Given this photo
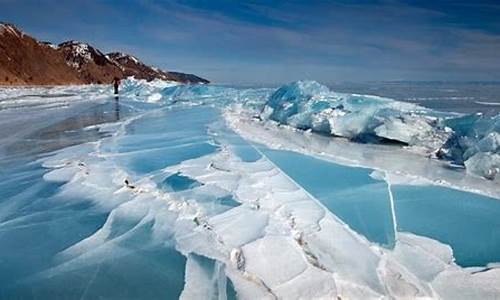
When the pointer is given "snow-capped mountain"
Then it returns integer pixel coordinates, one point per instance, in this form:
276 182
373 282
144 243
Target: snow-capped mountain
79 54
26 61
131 66
90 63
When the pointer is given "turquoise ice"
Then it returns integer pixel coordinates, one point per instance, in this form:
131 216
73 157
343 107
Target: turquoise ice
165 194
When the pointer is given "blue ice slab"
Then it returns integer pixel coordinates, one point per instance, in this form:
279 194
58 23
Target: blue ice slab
14 179
211 204
227 201
30 242
156 273
176 120
350 193
469 223
177 182
33 237
230 291
243 149
209 270
69 127
246 153
149 161
163 138
37 224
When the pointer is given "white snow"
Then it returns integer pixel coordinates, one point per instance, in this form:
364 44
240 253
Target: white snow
10 29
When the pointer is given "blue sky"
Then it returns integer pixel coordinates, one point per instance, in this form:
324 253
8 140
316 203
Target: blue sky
255 42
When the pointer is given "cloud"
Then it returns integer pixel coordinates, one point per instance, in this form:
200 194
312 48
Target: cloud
325 40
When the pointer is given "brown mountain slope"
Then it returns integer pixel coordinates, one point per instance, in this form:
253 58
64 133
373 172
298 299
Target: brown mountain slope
26 61
90 63
131 66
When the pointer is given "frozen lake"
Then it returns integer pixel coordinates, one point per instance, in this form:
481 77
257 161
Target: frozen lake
467 222
135 198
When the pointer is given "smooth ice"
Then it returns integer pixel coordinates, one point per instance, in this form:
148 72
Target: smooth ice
469 224
350 193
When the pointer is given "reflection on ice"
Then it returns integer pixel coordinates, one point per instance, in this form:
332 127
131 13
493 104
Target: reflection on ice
155 140
26 140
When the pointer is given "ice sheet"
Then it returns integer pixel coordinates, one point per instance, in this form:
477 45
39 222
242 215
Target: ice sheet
170 202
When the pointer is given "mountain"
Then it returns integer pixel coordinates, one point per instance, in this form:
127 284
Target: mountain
26 61
90 63
131 66
188 78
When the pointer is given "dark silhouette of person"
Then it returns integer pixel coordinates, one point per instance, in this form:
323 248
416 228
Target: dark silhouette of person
116 84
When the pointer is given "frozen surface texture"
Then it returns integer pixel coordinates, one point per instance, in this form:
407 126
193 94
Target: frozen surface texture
207 192
477 144
309 105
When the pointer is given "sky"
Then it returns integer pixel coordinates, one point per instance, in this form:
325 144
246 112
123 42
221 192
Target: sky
268 42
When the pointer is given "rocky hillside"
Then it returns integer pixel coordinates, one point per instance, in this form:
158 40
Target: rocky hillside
131 66
90 63
26 61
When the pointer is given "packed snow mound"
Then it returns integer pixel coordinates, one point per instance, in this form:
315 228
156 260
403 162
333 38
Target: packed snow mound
310 105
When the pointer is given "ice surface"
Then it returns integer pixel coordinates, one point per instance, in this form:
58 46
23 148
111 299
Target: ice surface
400 165
310 105
143 90
329 246
350 193
205 279
469 224
476 143
484 164
165 200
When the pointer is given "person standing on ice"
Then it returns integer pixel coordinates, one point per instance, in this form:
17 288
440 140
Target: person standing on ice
116 84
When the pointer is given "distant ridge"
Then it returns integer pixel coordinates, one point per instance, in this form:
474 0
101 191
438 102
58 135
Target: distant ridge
27 61
131 66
